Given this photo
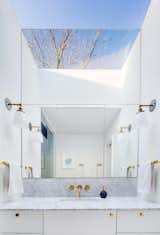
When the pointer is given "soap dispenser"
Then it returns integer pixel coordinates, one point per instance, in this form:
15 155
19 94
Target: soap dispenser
103 193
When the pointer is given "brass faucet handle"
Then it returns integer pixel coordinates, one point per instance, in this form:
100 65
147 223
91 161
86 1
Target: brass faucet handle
71 187
79 186
87 187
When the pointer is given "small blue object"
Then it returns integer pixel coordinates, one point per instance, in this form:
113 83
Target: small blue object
103 193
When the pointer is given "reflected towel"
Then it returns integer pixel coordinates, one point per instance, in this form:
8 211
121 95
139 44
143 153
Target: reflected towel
15 182
123 171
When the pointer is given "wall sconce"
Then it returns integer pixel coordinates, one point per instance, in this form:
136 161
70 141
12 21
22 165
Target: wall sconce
151 106
141 118
36 135
128 128
20 119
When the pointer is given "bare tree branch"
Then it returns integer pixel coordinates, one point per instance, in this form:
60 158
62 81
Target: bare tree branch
97 35
41 55
59 51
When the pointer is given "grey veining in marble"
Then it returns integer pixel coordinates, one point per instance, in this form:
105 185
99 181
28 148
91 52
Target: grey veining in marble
110 203
58 187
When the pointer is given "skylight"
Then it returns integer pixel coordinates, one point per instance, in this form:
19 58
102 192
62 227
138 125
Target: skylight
81 48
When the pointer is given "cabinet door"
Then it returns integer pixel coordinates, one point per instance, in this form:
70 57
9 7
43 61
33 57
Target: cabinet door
78 222
23 221
137 233
147 221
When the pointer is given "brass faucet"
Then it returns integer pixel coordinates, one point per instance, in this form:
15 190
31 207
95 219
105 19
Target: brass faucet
79 189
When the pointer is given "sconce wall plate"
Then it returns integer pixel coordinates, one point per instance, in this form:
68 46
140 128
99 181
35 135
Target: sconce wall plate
8 104
153 105
30 126
129 127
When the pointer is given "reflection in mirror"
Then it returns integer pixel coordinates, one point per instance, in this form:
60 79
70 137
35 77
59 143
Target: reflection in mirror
81 142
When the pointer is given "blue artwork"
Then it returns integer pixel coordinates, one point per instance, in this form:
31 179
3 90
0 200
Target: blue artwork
81 48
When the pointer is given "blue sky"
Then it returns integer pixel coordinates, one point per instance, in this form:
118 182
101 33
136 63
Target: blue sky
111 14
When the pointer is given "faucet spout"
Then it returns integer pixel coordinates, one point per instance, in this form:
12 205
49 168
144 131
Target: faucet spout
79 189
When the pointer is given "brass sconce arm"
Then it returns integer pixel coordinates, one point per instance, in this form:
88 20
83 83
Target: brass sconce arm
151 106
31 127
128 128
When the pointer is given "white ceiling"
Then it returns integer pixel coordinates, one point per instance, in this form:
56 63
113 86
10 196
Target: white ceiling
80 119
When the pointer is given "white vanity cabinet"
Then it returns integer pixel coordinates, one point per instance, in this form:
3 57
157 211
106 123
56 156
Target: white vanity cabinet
21 222
79 222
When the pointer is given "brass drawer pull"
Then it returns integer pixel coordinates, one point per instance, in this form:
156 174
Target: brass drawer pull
141 214
17 214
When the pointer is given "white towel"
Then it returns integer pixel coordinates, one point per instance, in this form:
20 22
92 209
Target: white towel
15 182
123 171
4 182
145 180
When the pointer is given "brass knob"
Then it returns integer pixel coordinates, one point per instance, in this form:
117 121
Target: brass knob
87 187
17 214
111 214
71 187
141 214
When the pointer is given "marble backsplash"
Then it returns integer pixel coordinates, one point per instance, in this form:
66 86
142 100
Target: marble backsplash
58 187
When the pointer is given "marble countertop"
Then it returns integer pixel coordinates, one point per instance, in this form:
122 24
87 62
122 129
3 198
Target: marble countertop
49 203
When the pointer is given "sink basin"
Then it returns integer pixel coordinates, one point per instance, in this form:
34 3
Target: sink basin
83 199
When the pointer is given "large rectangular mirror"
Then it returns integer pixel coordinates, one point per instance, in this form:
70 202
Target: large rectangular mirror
80 141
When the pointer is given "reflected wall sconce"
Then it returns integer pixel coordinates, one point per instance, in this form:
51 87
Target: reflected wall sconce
128 128
20 119
36 135
36 127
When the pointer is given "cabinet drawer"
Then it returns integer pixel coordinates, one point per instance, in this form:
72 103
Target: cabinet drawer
138 221
135 233
21 221
79 222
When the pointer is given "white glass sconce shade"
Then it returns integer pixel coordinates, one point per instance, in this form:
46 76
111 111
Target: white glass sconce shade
141 120
20 119
36 137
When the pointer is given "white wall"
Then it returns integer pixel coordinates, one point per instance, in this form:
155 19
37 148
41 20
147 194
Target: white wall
131 75
83 86
84 148
10 144
151 53
150 62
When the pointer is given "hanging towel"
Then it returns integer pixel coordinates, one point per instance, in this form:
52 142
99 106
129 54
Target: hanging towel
15 182
4 182
145 181
123 171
